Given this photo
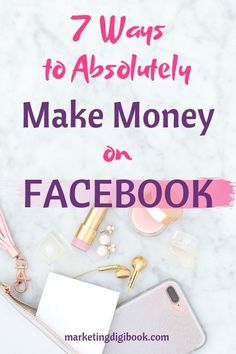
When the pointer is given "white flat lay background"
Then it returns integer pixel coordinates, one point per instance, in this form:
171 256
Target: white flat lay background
203 34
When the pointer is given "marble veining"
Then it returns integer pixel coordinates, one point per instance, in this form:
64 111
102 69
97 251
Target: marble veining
203 34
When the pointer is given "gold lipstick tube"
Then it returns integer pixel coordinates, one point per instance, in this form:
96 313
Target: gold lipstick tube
88 229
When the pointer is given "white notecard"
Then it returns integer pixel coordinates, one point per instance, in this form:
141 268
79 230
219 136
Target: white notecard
73 307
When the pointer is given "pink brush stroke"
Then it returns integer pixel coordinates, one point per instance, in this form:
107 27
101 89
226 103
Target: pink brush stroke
221 191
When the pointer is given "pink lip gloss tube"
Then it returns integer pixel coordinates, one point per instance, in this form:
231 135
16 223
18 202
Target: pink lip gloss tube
88 229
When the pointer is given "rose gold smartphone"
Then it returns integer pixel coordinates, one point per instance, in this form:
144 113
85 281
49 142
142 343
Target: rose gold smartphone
160 321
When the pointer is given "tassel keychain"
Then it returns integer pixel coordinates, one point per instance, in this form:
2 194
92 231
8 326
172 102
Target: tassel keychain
7 243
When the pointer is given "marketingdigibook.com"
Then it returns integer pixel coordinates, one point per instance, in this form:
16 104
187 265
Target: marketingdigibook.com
116 337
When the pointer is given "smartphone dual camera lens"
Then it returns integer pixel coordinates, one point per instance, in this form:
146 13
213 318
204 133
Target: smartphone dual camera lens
173 294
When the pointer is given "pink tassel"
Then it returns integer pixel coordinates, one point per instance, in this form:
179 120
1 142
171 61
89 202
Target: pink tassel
8 244
6 240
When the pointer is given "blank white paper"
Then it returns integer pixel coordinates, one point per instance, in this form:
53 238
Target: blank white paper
73 307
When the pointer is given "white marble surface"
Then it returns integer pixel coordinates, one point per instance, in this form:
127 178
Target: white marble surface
203 34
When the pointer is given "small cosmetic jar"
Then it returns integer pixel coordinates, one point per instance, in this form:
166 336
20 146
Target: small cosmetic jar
184 247
50 248
152 221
